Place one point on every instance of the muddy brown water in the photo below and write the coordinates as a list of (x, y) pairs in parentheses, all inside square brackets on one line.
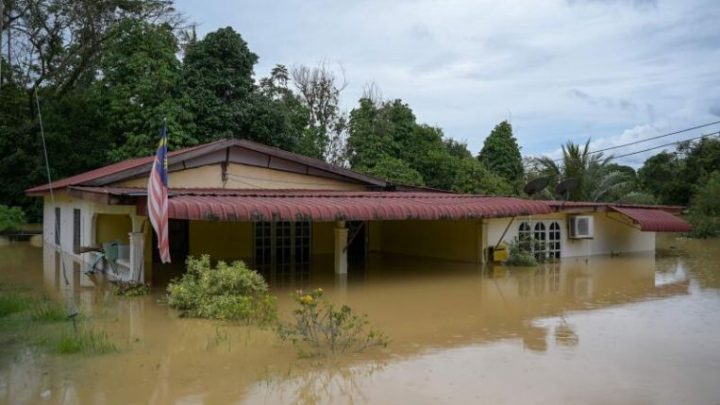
[(629, 329)]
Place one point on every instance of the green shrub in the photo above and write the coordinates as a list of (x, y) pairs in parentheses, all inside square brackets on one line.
[(705, 208), (520, 255), (226, 292), (130, 289), (320, 328), (11, 218)]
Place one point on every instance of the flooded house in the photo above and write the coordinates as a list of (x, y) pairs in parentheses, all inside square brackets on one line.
[(280, 212)]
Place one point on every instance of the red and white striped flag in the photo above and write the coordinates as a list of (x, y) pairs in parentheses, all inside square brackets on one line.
[(158, 198)]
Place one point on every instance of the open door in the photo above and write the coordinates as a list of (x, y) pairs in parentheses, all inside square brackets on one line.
[(179, 235)]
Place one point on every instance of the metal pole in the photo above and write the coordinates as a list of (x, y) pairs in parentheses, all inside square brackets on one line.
[(2, 18)]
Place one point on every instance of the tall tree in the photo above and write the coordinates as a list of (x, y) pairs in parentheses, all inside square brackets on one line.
[(319, 90), (139, 87), (597, 179), (217, 79), (58, 43), (501, 154), (386, 140)]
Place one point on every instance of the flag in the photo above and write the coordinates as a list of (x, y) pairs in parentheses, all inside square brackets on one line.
[(158, 197)]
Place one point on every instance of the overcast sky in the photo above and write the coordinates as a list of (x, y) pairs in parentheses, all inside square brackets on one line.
[(610, 70)]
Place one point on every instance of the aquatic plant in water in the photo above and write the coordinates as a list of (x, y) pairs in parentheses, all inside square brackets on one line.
[(319, 327), (41, 323), (130, 289), (86, 341), (520, 254), (226, 292)]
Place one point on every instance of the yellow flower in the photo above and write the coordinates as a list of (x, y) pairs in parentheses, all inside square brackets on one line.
[(306, 299)]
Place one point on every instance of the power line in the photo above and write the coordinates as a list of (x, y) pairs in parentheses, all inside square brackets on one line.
[(651, 139), (668, 144)]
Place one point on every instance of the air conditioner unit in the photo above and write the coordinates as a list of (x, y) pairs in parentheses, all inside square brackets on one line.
[(581, 227)]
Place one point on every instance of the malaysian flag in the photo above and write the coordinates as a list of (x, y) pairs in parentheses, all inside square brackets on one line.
[(158, 197)]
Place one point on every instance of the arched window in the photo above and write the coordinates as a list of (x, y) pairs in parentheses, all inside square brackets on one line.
[(554, 241), (540, 241), (524, 235)]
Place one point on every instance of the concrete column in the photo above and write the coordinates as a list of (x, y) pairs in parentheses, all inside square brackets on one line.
[(137, 259), (341, 241)]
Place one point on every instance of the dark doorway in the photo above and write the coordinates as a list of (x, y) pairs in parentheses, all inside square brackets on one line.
[(357, 241), (179, 233)]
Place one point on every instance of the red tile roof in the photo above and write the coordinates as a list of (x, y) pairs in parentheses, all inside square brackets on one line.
[(654, 220), (326, 205), (102, 172), (131, 166), (290, 205)]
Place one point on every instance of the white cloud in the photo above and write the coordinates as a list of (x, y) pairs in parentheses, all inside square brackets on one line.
[(610, 70)]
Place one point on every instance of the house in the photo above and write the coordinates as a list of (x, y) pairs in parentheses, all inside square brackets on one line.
[(236, 199)]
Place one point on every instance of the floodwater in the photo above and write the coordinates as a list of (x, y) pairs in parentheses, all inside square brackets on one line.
[(629, 329)]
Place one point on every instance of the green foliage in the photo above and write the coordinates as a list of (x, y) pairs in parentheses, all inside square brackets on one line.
[(130, 289), (662, 176), (520, 254), (471, 176), (139, 88), (705, 208), (226, 292), (11, 218), (598, 178), (396, 171), (501, 154), (84, 341), (12, 302), (673, 177), (27, 321), (385, 140), (47, 310), (320, 328)]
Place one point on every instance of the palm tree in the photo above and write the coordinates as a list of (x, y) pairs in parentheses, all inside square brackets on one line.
[(598, 179)]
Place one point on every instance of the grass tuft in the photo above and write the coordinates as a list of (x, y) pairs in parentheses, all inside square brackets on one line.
[(12, 302), (85, 341), (48, 311)]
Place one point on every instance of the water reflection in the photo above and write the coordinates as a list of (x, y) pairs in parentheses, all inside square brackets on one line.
[(429, 309)]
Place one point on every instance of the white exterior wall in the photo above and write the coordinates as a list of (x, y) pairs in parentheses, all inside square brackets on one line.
[(613, 234), (88, 211)]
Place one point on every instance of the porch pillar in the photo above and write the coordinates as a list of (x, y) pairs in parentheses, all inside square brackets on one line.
[(341, 241), (137, 259)]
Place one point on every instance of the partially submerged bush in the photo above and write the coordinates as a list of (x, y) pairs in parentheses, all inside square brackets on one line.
[(226, 292), (130, 289), (520, 255), (11, 218), (320, 328)]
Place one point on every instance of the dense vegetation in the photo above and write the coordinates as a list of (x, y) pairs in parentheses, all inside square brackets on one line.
[(225, 292), (107, 73)]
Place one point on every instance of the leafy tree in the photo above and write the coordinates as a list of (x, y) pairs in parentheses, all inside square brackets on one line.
[(220, 92), (59, 43), (139, 89), (385, 140), (396, 171), (705, 208), (473, 177), (11, 218), (501, 154), (217, 79), (319, 91), (661, 176), (598, 179)]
